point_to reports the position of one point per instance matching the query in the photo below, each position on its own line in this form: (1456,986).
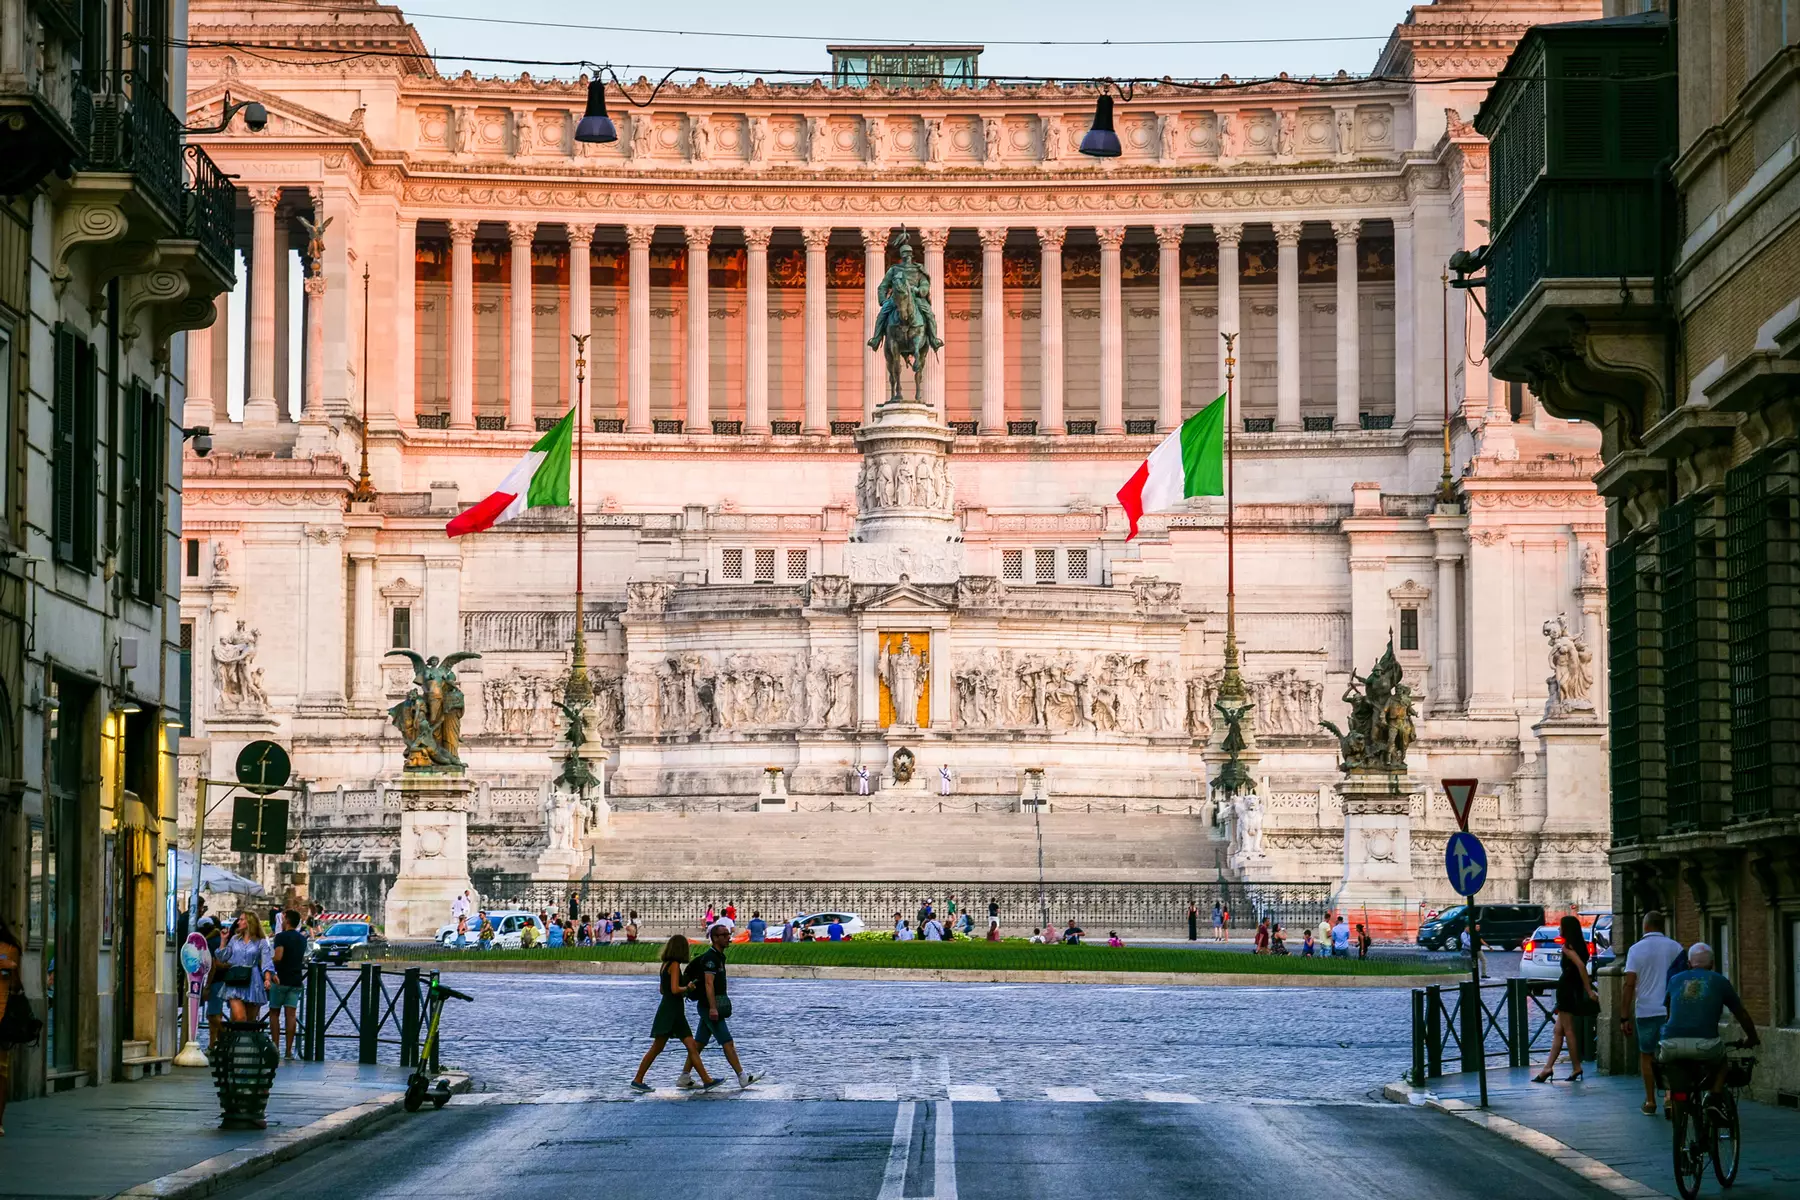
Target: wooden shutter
(153,445)
(62,447)
(131,442)
(86,445)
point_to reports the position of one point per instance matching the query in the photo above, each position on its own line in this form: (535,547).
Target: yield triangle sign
(1462,797)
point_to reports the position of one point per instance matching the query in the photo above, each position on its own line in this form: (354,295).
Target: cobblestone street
(526,1035)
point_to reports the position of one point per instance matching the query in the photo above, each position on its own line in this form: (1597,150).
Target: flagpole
(1231,686)
(579,689)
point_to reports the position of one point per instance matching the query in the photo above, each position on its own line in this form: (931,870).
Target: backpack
(19,1026)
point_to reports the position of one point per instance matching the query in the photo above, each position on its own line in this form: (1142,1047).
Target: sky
(1195,39)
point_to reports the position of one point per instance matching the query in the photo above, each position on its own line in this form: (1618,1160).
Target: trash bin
(243,1070)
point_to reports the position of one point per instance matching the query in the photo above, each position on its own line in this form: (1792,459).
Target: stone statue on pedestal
(1382,708)
(903,670)
(1571,671)
(906,327)
(430,718)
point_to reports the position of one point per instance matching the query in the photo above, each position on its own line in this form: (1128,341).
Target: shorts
(215,1002)
(283,996)
(710,1030)
(1649,1032)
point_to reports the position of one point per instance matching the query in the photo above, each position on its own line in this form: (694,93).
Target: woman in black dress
(1575,999)
(671,1017)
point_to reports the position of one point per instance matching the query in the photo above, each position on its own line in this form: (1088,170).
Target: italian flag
(1189,462)
(539,480)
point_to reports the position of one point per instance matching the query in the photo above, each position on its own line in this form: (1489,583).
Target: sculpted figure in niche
(1170,134)
(221,561)
(1571,670)
(875,132)
(1346,130)
(1053,138)
(642,128)
(1288,125)
(699,138)
(934,140)
(904,670)
(1231,135)
(818,140)
(758,138)
(990,141)
(523,134)
(818,695)
(240,680)
(465,131)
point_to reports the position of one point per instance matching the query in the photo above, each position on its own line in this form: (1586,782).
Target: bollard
(1418,1037)
(318,992)
(409,1019)
(1434,1032)
(1472,1033)
(368,1029)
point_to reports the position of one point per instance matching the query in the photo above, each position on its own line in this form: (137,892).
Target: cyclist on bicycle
(1697,998)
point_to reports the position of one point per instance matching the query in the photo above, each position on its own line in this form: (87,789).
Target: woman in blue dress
(245,965)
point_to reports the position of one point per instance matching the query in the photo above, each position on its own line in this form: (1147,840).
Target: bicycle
(1711,1130)
(419,1085)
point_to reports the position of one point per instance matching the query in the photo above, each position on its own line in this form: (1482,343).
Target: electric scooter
(420,1087)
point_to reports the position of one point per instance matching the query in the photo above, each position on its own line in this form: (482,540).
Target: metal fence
(1142,907)
(365,1005)
(1461,1024)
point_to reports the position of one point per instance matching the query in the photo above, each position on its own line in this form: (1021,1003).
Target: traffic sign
(1465,862)
(263,766)
(1462,798)
(259,824)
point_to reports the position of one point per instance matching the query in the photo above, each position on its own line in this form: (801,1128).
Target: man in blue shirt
(835,930)
(1697,998)
(758,927)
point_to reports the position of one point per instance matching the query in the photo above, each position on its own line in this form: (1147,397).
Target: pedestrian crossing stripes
(888,1093)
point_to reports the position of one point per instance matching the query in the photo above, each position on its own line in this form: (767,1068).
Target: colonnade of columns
(991,385)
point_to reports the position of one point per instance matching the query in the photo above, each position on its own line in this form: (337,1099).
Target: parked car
(820,922)
(507,922)
(342,939)
(1598,925)
(1503,925)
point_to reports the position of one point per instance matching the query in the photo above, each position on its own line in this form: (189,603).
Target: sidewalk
(108,1140)
(1599,1122)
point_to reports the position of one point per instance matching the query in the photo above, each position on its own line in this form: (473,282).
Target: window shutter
(131,452)
(87,490)
(63,448)
(1583,113)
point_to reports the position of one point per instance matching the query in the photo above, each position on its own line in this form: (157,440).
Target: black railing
(363,1005)
(1141,907)
(1461,1024)
(210,204)
(141,137)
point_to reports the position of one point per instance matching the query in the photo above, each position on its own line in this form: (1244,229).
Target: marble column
(699,332)
(1168,312)
(637,353)
(874,362)
(1446,671)
(1287,325)
(405,322)
(259,396)
(1405,322)
(462,324)
(993,331)
(1349,330)
(1050,330)
(933,240)
(518,390)
(581,318)
(1112,330)
(365,679)
(1228,237)
(814,324)
(197,410)
(756,330)
(1491,675)
(312,410)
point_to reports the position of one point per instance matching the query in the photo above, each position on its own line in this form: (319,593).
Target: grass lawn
(968,956)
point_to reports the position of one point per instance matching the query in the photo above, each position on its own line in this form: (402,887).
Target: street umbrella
(212,879)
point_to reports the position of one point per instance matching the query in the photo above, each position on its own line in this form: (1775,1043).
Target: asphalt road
(731,1145)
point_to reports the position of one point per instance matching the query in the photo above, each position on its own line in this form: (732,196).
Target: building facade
(112,242)
(1681,341)
(719,262)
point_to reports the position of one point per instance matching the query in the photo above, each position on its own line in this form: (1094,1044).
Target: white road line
(1072,1094)
(893,1180)
(944,1163)
(1171,1098)
(871,1091)
(979,1093)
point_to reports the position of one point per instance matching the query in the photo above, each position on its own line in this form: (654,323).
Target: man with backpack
(705,976)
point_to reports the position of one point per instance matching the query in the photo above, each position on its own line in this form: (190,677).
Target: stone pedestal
(434,854)
(1577,818)
(1034,791)
(773,797)
(1378,870)
(906,525)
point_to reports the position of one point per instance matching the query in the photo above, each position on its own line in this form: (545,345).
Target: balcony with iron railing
(209,211)
(142,138)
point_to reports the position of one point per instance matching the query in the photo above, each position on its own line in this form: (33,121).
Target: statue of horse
(904,341)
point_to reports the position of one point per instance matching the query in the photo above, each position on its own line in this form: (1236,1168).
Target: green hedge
(1011,955)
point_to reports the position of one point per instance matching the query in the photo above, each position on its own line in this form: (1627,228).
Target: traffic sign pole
(1465,862)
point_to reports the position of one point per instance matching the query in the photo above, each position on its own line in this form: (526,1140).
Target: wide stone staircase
(854,847)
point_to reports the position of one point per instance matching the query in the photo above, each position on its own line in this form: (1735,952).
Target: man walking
(1649,963)
(290,967)
(706,974)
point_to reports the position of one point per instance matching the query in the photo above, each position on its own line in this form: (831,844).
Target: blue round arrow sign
(1465,862)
